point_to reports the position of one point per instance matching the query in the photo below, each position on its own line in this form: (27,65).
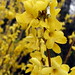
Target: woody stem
(69,53)
(49,60)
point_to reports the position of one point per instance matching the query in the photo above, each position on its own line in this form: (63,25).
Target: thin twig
(20,72)
(6,53)
(20,36)
(43,61)
(49,60)
(20,59)
(69,53)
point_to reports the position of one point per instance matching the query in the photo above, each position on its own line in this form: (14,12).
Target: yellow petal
(33,31)
(46,35)
(73,47)
(46,70)
(50,43)
(58,59)
(56,48)
(54,64)
(28,6)
(54,3)
(65,67)
(62,40)
(70,41)
(36,54)
(28,70)
(73,71)
(71,36)
(43,47)
(40,5)
(23,19)
(35,61)
(73,68)
(59,37)
(62,72)
(57,11)
(44,24)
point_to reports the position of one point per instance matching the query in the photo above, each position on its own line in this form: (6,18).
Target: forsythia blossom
(30,28)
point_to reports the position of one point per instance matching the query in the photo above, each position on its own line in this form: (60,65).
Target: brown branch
(49,60)
(20,59)
(69,52)
(43,61)
(6,53)
(20,36)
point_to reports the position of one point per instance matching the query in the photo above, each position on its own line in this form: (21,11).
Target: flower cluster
(36,32)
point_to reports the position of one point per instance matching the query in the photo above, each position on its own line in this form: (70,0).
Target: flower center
(54,71)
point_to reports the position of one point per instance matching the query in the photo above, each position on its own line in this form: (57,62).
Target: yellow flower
(67,17)
(10,14)
(31,42)
(57,68)
(53,38)
(71,37)
(34,6)
(34,67)
(23,66)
